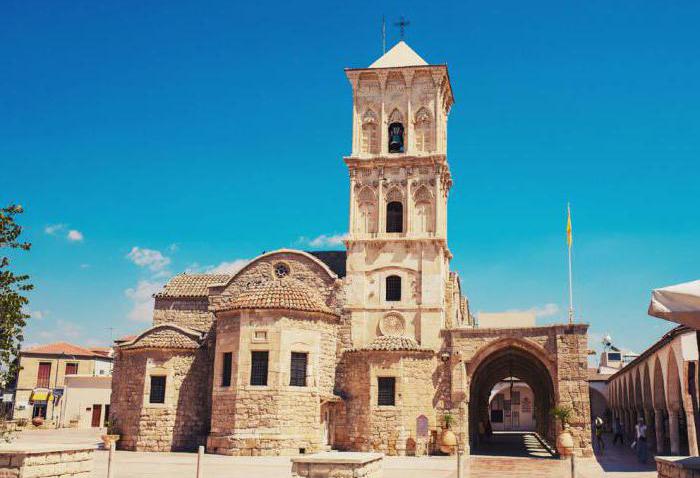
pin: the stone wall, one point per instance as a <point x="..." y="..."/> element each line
<point x="46" y="462"/>
<point x="187" y="312"/>
<point x="678" y="466"/>
<point x="182" y="422"/>
<point x="363" y="425"/>
<point x="337" y="465"/>
<point x="276" y="419"/>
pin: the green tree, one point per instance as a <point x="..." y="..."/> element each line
<point x="13" y="288"/>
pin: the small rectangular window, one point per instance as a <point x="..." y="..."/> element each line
<point x="226" y="369"/>
<point x="157" y="394"/>
<point x="387" y="391"/>
<point x="44" y="375"/>
<point x="298" y="369"/>
<point x="393" y="288"/>
<point x="258" y="368"/>
<point x="71" y="368"/>
<point x="260" y="335"/>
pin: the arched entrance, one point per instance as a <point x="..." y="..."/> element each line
<point x="500" y="362"/>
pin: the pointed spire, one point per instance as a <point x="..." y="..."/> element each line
<point x="399" y="55"/>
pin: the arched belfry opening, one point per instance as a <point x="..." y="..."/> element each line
<point x="510" y="365"/>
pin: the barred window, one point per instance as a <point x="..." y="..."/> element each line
<point x="298" y="369"/>
<point x="258" y="368"/>
<point x="157" y="394"/>
<point x="393" y="288"/>
<point x="394" y="217"/>
<point x="226" y="370"/>
<point x="387" y="391"/>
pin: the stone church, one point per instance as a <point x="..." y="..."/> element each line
<point x="363" y="349"/>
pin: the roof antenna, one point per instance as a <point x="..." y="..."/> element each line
<point x="383" y="34"/>
<point x="402" y="24"/>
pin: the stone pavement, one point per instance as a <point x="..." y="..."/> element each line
<point x="618" y="462"/>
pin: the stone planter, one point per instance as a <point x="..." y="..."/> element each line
<point x="565" y="443"/>
<point x="448" y="441"/>
<point x="108" y="439"/>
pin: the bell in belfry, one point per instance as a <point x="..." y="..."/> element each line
<point x="396" y="138"/>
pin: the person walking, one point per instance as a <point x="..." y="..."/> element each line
<point x="618" y="432"/>
<point x="600" y="443"/>
<point x="640" y="435"/>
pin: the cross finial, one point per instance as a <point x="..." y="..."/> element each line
<point x="402" y="24"/>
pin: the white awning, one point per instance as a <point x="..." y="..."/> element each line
<point x="678" y="303"/>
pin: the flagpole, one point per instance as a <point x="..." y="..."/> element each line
<point x="571" y="288"/>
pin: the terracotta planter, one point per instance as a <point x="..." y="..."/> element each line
<point x="109" y="439"/>
<point x="448" y="441"/>
<point x="565" y="443"/>
<point x="37" y="421"/>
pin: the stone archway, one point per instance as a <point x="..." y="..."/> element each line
<point x="510" y="358"/>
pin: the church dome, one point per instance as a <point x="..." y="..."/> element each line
<point x="278" y="294"/>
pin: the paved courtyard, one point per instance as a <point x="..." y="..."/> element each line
<point x="526" y="459"/>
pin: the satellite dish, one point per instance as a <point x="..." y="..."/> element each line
<point x="607" y="340"/>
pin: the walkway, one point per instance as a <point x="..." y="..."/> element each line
<point x="524" y="460"/>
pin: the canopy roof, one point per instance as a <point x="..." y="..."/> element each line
<point x="678" y="303"/>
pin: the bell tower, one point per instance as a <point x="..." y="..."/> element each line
<point x="397" y="254"/>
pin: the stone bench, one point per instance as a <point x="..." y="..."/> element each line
<point x="678" y="466"/>
<point x="337" y="464"/>
<point x="44" y="461"/>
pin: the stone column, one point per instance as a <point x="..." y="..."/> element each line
<point x="383" y="120"/>
<point x="674" y="432"/>
<point x="659" y="430"/>
<point x="651" y="434"/>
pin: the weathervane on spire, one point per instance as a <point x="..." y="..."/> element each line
<point x="402" y="24"/>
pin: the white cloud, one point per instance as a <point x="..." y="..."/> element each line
<point x="173" y="247"/>
<point x="225" y="267"/>
<point x="228" y="267"/>
<point x="141" y="297"/>
<point x="546" y="310"/>
<point x="38" y="314"/>
<point x="324" y="240"/>
<point x="62" y="331"/>
<point x="84" y="266"/>
<point x="74" y="236"/>
<point x="52" y="229"/>
<point x="154" y="260"/>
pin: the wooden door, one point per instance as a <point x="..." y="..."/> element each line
<point x="96" y="415"/>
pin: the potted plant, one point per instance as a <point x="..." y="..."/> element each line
<point x="112" y="435"/>
<point x="565" y="441"/>
<point x="448" y="440"/>
<point x="38" y="421"/>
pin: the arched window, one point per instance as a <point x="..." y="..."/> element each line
<point x="393" y="288"/>
<point x="370" y="138"/>
<point x="367" y="217"/>
<point x="424" y="131"/>
<point x="424" y="210"/>
<point x="396" y="132"/>
<point x="394" y="217"/>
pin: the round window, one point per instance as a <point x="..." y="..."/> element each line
<point x="281" y="270"/>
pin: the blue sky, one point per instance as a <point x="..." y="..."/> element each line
<point x="194" y="135"/>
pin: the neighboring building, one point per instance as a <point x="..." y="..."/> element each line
<point x="505" y="320"/>
<point x="85" y="401"/>
<point x="43" y="369"/>
<point x="363" y="349"/>
<point x="512" y="407"/>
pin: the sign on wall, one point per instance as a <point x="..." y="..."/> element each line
<point x="422" y="426"/>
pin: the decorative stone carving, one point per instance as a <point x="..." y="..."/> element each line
<point x="392" y="324"/>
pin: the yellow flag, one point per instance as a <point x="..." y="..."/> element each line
<point x="569" y="236"/>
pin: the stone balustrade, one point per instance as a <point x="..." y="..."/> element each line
<point x="46" y="461"/>
<point x="678" y="466"/>
<point x="338" y="464"/>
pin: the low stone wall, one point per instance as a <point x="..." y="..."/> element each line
<point x="338" y="464"/>
<point x="678" y="466"/>
<point x="45" y="461"/>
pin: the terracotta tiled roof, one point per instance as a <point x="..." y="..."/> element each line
<point x="58" y="348"/>
<point x="282" y="294"/>
<point x="394" y="342"/>
<point x="106" y="351"/>
<point x="126" y="338"/>
<point x="191" y="285"/>
<point x="165" y="336"/>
